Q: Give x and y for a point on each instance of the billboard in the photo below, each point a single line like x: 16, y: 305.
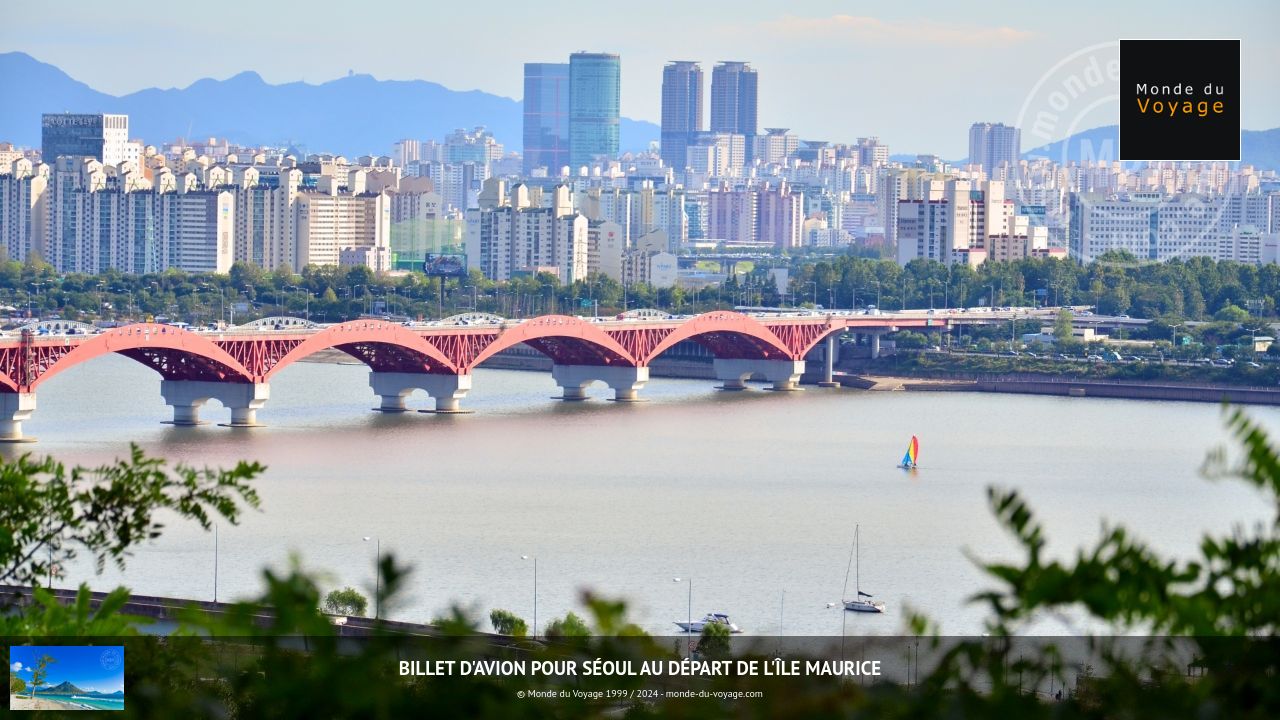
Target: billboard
x: 445, y: 265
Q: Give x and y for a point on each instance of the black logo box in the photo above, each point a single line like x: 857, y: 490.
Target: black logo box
x: 1188, y: 65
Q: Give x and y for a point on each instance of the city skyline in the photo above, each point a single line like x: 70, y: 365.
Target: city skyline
x: 815, y: 61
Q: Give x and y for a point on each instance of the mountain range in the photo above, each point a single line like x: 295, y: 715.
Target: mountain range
x: 353, y: 115
x: 343, y: 115
x: 62, y: 688
x: 1259, y: 148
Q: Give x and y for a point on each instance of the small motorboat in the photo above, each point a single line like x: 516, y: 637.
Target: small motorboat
x: 708, y: 619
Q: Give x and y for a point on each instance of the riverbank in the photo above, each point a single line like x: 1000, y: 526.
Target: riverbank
x: 892, y: 375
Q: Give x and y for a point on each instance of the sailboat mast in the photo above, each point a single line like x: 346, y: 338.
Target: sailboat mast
x: 857, y: 578
x: 845, y: 592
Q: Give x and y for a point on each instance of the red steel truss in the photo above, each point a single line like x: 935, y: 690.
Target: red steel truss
x: 253, y: 355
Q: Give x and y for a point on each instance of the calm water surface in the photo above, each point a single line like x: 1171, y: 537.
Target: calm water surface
x: 750, y: 494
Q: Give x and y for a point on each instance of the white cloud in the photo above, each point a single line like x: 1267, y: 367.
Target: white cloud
x: 16, y: 667
x: 870, y: 30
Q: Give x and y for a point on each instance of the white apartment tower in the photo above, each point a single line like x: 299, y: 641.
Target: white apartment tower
x: 508, y: 234
x: 993, y: 145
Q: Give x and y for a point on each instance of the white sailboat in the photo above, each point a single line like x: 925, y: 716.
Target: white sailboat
x: 858, y: 603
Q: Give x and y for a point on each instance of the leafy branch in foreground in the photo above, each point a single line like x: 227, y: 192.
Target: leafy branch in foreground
x: 49, y: 514
x: 1232, y: 589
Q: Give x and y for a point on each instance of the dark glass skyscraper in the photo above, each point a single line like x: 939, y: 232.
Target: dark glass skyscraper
x: 595, y: 82
x: 546, y: 116
x: 98, y: 136
x: 734, y: 101
x: 681, y: 110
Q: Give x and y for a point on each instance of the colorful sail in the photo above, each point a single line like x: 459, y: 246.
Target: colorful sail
x: 913, y: 452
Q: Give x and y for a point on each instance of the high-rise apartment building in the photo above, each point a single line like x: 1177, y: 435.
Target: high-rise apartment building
x: 775, y: 146
x: 734, y: 102
x: 681, y: 110
x: 102, y: 137
x: 102, y: 217
x: 508, y: 233
x: 194, y: 229
x: 994, y: 145
x: 329, y: 222
x: 780, y: 217
x: 957, y: 221
x: 22, y: 211
x: 766, y: 214
x: 1158, y: 226
x: 546, y: 117
x: 595, y: 82
x: 407, y: 151
x: 477, y: 146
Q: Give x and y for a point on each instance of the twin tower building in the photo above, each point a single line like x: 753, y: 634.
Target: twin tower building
x: 572, y: 113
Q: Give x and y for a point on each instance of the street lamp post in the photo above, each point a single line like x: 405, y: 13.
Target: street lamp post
x: 377, y: 587
x: 535, y: 592
x: 815, y: 293
x: 689, y: 623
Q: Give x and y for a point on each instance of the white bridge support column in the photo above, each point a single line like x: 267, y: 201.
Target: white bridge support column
x: 15, y: 408
x: 626, y: 381
x: 784, y: 374
x: 829, y: 362
x: 875, y: 345
x: 187, y: 397
x: 394, y: 388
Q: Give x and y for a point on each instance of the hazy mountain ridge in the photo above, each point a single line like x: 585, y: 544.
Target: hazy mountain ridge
x: 340, y: 115
x: 1259, y: 148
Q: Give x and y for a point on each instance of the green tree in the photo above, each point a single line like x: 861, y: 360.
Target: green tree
x: 347, y: 601
x: 714, y: 641
x: 1232, y: 314
x: 570, y: 626
x: 506, y: 622
x: 1063, y: 325
x: 1114, y: 300
x: 40, y: 672
x: 49, y: 514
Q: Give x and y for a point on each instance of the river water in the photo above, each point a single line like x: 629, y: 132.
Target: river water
x: 754, y: 496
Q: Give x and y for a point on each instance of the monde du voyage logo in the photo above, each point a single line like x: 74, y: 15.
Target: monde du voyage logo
x: 1180, y: 100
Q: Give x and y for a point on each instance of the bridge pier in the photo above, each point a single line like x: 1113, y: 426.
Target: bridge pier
x: 626, y: 381
x: 394, y: 388
x: 875, y: 345
x: 188, y: 396
x: 14, y: 409
x: 734, y: 372
x: 829, y: 362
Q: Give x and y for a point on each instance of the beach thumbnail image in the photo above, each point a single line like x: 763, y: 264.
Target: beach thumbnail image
x: 66, y: 677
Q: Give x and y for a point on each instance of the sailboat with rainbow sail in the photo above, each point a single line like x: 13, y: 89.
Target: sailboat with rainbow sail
x: 913, y: 452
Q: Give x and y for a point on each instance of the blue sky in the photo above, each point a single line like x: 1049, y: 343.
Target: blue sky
x: 81, y: 666
x: 916, y: 74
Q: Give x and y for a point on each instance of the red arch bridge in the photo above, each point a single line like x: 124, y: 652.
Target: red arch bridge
x: 235, y: 365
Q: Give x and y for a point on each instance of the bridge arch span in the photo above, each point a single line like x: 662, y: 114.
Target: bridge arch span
x: 566, y: 340
x: 175, y: 353
x: 728, y: 335
x: 382, y: 345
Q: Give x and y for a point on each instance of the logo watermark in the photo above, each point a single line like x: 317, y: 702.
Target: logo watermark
x: 1078, y: 94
